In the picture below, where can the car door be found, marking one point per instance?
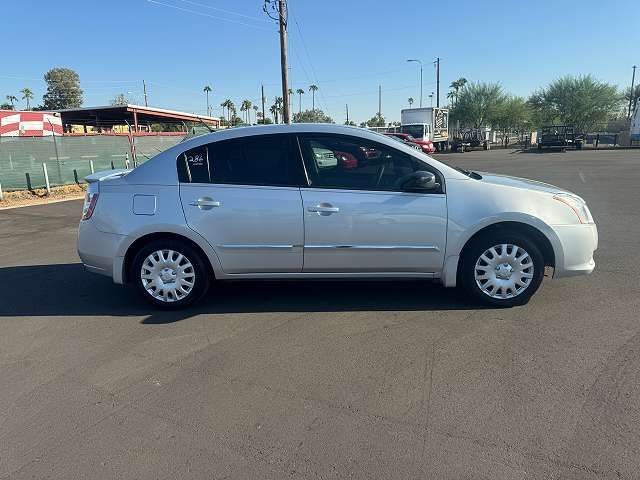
(242, 195)
(358, 219)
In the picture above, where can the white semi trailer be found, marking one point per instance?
(429, 123)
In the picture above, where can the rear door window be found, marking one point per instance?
(257, 160)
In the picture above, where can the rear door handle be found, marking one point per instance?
(323, 209)
(205, 203)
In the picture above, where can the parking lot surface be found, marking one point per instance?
(326, 379)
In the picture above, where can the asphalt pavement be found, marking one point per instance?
(331, 380)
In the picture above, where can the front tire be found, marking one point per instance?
(169, 274)
(502, 269)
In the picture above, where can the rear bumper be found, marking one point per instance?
(578, 243)
(98, 250)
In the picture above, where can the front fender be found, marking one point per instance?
(459, 235)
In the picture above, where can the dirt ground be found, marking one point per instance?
(39, 196)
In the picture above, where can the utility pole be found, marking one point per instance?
(633, 80)
(437, 62)
(379, 101)
(144, 89)
(347, 105)
(276, 10)
(263, 100)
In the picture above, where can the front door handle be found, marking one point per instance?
(323, 209)
(205, 203)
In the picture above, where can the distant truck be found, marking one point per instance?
(427, 123)
(559, 136)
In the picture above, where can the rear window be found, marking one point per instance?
(256, 160)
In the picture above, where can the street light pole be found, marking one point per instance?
(420, 62)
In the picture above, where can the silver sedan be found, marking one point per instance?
(325, 201)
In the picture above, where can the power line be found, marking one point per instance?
(195, 12)
(230, 12)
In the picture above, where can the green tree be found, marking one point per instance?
(63, 89)
(513, 116)
(478, 104)
(120, 99)
(581, 101)
(313, 89)
(410, 100)
(300, 92)
(206, 90)
(6, 106)
(27, 95)
(312, 116)
(376, 121)
(12, 99)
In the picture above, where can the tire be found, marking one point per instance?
(512, 285)
(179, 267)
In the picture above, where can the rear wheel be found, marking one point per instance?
(502, 269)
(169, 274)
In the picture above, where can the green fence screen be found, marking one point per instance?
(69, 159)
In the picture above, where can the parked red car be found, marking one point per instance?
(426, 145)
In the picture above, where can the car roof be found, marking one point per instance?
(161, 169)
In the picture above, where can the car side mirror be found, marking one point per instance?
(421, 180)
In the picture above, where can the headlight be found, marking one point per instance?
(576, 204)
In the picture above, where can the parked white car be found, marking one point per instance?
(260, 202)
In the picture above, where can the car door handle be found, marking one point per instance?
(205, 203)
(323, 209)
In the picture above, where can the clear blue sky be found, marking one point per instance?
(346, 47)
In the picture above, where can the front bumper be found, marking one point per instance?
(578, 243)
(98, 250)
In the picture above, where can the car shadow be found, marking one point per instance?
(67, 290)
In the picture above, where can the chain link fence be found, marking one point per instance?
(69, 159)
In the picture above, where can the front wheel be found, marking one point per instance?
(169, 274)
(502, 269)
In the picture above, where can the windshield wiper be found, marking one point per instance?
(469, 173)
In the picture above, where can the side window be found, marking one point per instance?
(193, 165)
(255, 160)
(355, 164)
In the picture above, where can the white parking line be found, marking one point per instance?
(582, 177)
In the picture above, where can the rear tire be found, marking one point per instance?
(170, 274)
(502, 269)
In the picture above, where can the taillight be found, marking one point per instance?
(90, 201)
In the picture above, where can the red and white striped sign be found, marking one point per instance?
(29, 124)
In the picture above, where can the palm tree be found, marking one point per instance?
(255, 109)
(457, 85)
(300, 92)
(11, 99)
(274, 112)
(313, 89)
(246, 108)
(410, 100)
(279, 103)
(290, 92)
(224, 105)
(27, 95)
(206, 90)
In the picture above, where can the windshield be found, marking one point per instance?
(416, 131)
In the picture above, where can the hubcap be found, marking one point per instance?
(504, 271)
(167, 275)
